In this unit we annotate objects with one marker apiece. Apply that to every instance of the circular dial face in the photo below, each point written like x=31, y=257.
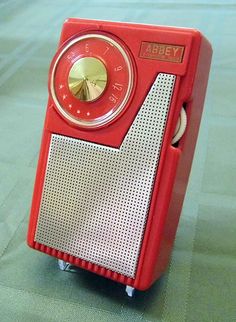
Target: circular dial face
x=91, y=80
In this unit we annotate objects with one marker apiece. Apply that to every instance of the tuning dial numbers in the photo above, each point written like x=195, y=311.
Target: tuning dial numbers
x=91, y=80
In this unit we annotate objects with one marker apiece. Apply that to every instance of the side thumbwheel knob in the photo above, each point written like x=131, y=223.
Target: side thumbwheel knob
x=180, y=127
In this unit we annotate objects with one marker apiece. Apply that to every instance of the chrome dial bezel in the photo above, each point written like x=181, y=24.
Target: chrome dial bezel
x=109, y=117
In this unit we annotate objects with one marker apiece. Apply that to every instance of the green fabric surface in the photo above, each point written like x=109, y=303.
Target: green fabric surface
x=200, y=284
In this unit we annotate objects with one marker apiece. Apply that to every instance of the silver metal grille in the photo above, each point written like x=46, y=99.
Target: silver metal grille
x=95, y=199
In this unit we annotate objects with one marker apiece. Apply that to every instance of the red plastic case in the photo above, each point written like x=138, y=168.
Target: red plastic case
x=191, y=69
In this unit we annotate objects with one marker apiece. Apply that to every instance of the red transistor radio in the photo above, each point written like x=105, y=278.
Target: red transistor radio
x=125, y=103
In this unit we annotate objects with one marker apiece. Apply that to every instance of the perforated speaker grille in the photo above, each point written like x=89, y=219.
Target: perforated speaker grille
x=95, y=199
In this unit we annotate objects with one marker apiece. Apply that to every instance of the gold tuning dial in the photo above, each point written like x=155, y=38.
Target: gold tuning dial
x=87, y=79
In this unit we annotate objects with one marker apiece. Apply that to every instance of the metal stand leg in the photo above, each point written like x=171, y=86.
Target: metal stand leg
x=62, y=265
x=130, y=290
x=66, y=267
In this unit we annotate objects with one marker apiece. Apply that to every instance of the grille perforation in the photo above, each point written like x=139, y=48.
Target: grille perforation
x=96, y=199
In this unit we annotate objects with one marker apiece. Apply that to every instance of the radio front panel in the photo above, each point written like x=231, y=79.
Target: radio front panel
x=124, y=108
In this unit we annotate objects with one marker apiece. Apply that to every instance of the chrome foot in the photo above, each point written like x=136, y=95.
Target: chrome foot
x=129, y=290
x=63, y=265
x=67, y=267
